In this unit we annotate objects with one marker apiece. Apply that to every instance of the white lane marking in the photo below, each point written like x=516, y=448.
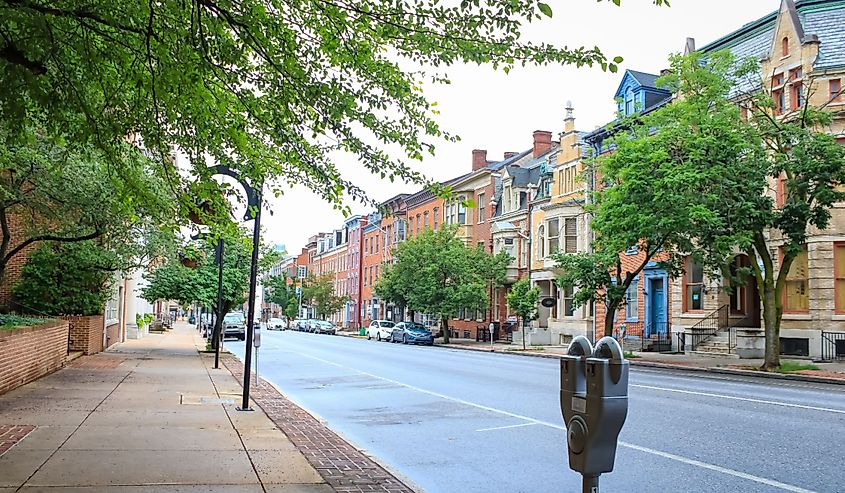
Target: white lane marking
x=678, y=458
x=507, y=427
x=744, y=399
x=713, y=467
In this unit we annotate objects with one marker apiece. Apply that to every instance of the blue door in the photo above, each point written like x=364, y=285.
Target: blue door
x=656, y=307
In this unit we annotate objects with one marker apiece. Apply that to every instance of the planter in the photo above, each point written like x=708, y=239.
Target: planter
x=133, y=332
x=750, y=343
x=189, y=262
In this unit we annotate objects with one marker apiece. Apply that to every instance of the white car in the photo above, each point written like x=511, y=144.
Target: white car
x=381, y=330
x=276, y=324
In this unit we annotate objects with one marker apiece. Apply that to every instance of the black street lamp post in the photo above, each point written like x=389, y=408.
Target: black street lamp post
x=253, y=211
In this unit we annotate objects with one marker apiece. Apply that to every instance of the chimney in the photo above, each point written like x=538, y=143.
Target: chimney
x=569, y=121
x=689, y=46
x=479, y=158
x=510, y=154
x=542, y=142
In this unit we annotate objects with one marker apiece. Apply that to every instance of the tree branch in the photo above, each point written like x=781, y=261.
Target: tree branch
x=61, y=239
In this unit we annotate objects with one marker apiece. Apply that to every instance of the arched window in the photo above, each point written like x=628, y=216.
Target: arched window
x=785, y=46
x=541, y=242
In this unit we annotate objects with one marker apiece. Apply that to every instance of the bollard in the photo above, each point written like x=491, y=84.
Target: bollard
x=594, y=405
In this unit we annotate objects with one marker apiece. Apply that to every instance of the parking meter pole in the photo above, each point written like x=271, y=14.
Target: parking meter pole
x=590, y=484
x=218, y=324
x=594, y=405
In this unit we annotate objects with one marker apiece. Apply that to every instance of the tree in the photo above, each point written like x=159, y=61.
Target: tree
x=53, y=192
x=174, y=281
x=436, y=273
x=805, y=167
x=280, y=292
x=291, y=310
x=660, y=182
x=319, y=291
x=270, y=87
x=65, y=279
x=522, y=300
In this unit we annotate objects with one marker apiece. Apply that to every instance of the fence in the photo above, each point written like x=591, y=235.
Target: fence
x=833, y=346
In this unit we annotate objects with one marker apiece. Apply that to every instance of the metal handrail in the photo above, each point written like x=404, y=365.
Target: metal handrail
x=709, y=326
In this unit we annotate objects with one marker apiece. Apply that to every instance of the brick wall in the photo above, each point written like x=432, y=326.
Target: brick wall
x=86, y=333
x=29, y=353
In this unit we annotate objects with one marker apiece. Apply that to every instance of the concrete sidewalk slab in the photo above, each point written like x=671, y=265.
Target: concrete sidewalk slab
x=148, y=415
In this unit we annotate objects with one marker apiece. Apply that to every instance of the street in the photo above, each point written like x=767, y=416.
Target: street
x=462, y=421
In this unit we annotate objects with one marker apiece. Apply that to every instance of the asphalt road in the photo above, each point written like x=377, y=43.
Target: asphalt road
x=461, y=421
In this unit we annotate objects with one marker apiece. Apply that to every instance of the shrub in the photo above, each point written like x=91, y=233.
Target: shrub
x=65, y=279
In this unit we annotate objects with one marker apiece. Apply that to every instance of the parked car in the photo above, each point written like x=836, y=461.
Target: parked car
x=276, y=324
x=411, y=333
x=324, y=327
x=313, y=323
x=234, y=325
x=300, y=324
x=380, y=329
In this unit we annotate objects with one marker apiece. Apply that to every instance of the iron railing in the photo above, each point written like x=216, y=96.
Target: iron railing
x=709, y=326
x=833, y=346
x=657, y=337
x=500, y=333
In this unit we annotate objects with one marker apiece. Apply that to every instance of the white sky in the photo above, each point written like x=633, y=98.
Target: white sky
x=498, y=112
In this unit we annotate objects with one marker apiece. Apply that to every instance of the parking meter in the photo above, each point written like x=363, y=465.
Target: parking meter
x=594, y=405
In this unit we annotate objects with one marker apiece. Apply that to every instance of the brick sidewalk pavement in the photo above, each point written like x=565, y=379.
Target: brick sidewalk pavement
x=339, y=463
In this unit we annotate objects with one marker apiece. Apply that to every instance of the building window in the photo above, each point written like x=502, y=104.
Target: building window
x=506, y=196
x=482, y=208
x=436, y=217
x=839, y=274
x=693, y=286
x=417, y=231
x=835, y=87
x=541, y=242
x=568, y=179
x=554, y=236
x=425, y=219
x=377, y=242
x=568, y=295
x=797, y=291
x=777, y=94
x=570, y=235
x=796, y=95
x=632, y=299
x=784, y=46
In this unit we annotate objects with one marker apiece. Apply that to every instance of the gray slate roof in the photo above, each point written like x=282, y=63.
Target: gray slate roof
x=823, y=18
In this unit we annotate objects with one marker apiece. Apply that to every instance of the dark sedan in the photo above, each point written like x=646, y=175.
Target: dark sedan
x=411, y=333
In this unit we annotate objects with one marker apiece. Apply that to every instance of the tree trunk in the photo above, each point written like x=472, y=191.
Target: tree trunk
x=772, y=311
x=218, y=324
x=609, y=318
x=444, y=323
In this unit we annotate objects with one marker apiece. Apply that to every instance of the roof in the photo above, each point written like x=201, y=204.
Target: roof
x=501, y=164
x=822, y=18
x=645, y=80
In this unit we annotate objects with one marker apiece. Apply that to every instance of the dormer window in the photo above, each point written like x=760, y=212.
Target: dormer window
x=629, y=102
x=785, y=46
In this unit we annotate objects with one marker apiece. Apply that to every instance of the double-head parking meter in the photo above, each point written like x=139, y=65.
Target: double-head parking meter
x=594, y=404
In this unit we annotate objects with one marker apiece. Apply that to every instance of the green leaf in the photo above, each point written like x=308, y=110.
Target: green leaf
x=545, y=9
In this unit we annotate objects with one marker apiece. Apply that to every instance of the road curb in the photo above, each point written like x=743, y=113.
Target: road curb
x=670, y=366
x=343, y=466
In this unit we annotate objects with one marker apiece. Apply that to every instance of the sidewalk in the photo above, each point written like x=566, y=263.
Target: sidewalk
x=827, y=372
x=152, y=415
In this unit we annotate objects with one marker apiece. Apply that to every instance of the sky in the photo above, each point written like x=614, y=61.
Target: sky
x=499, y=112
